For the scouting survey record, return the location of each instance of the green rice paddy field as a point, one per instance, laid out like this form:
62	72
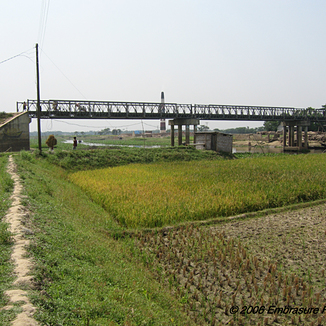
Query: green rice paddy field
151	195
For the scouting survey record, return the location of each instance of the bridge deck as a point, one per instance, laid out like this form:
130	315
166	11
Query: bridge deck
62	109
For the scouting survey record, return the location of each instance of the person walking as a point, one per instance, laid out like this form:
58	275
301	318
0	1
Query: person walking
75	143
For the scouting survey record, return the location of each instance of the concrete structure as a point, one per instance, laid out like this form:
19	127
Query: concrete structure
295	144
182	122
215	141
14	133
162	108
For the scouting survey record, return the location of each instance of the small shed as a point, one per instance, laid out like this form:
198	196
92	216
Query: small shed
213	140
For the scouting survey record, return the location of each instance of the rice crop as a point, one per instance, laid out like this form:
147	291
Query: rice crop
157	194
220	281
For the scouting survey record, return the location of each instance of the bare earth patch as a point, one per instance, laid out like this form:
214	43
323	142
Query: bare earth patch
14	217
295	241
246	272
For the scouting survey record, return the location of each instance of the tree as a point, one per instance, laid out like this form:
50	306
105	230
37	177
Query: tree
203	128
318	125
116	131
271	125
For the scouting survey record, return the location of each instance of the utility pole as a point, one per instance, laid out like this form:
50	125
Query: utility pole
38	101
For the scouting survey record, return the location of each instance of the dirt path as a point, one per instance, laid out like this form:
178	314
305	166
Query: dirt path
15	218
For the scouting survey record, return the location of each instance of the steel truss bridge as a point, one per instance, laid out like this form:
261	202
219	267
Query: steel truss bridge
63	109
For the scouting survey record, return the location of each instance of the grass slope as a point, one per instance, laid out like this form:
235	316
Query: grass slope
6	186
84	276
99	158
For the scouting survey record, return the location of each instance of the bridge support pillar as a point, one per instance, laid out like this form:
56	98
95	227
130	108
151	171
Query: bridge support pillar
291	136
284	136
299	137
295	144
306	137
187	134
182	122
172	135
179	135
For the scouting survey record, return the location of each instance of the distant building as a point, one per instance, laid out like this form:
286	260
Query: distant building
137	133
213	140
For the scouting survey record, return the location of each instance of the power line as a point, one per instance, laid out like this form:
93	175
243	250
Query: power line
75	124
43	20
65	76
146	124
17	55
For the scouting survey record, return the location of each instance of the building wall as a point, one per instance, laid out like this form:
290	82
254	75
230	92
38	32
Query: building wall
14	134
214	141
224	142
203	141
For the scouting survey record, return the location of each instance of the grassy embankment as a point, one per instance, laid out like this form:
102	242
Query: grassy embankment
6	186
4	116
83	275
89	276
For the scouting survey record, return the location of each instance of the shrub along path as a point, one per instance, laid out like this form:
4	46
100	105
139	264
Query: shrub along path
14	217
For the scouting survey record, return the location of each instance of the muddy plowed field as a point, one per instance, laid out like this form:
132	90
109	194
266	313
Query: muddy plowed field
260	271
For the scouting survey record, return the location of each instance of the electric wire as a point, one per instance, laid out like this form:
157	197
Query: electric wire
65	75
43	21
23	54
75	124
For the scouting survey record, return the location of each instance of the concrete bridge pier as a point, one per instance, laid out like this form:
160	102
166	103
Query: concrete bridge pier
182	122
295	144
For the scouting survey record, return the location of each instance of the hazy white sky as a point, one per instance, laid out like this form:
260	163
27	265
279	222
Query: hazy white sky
241	52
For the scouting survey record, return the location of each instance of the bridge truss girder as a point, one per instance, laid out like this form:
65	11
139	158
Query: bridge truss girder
62	109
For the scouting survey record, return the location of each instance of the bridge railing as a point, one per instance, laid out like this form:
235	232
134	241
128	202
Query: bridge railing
145	110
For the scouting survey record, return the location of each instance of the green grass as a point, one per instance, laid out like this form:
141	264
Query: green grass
93	159
61	145
4	116
84	276
110	140
6	186
128	141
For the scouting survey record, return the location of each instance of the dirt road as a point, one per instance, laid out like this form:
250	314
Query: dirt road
16	218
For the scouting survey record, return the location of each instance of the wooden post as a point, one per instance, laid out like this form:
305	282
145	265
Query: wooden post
38	102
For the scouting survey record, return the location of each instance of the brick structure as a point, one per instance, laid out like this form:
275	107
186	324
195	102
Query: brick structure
215	141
